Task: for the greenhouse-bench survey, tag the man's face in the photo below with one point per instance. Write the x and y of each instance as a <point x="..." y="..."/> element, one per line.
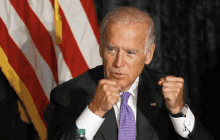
<point x="124" y="53"/>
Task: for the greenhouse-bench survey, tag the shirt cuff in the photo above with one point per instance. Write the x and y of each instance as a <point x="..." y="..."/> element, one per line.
<point x="184" y="125"/>
<point x="90" y="122"/>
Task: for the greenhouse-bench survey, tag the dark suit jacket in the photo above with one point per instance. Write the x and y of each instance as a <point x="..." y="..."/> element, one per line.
<point x="153" y="122"/>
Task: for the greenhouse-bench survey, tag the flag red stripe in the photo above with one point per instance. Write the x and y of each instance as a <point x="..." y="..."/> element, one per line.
<point x="71" y="53"/>
<point x="70" y="50"/>
<point x="24" y="70"/>
<point x="39" y="34"/>
<point x="89" y="9"/>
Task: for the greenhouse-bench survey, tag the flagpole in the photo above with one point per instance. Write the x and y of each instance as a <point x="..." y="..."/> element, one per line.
<point x="58" y="23"/>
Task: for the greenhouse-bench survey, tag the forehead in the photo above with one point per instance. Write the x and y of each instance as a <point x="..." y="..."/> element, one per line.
<point x="131" y="35"/>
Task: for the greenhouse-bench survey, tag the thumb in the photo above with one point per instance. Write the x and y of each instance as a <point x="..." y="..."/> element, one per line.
<point x="160" y="82"/>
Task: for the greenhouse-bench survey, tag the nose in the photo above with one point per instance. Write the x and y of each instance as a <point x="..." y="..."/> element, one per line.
<point x="119" y="60"/>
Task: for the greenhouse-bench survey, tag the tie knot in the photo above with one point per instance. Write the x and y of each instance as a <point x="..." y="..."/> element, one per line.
<point x="125" y="97"/>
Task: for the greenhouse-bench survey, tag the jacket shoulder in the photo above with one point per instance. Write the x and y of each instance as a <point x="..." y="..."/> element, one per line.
<point x="153" y="74"/>
<point x="76" y="89"/>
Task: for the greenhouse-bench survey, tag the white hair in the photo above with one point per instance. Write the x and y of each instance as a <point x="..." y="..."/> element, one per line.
<point x="126" y="15"/>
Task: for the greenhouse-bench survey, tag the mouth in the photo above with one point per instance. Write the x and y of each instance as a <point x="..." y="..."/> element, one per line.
<point x="117" y="74"/>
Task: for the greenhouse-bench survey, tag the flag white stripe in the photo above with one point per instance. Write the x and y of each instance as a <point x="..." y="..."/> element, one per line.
<point x="64" y="73"/>
<point x="21" y="36"/>
<point x="82" y="31"/>
<point x="45" y="12"/>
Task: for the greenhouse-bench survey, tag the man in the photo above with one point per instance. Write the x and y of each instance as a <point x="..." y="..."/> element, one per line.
<point x="123" y="99"/>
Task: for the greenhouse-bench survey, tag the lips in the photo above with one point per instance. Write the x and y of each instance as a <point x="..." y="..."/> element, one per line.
<point x="116" y="74"/>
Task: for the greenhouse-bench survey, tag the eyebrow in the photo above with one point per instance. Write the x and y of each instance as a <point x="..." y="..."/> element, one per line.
<point x="110" y="46"/>
<point x="132" y="50"/>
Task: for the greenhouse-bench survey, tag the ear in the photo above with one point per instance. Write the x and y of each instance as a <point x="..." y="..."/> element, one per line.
<point x="100" y="51"/>
<point x="150" y="53"/>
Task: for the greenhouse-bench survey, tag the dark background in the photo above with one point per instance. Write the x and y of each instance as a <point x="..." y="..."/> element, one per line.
<point x="187" y="45"/>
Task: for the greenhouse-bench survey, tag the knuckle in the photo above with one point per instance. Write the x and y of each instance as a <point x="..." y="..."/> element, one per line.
<point x="175" y="94"/>
<point x="165" y="83"/>
<point x="104" y="87"/>
<point x="114" y="82"/>
<point x="182" y="85"/>
<point x="108" y="93"/>
<point x="169" y="77"/>
<point x="108" y="99"/>
<point x="178" y="90"/>
<point x="116" y="95"/>
<point x="179" y="84"/>
<point x="101" y="81"/>
<point x="182" y="79"/>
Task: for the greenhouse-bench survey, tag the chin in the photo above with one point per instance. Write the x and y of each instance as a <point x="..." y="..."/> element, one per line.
<point x="123" y="84"/>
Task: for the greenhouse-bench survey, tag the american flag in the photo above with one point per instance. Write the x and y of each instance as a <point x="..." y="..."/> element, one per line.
<point x="31" y="59"/>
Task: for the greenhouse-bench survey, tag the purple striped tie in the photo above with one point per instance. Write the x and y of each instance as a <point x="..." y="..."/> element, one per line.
<point x="127" y="125"/>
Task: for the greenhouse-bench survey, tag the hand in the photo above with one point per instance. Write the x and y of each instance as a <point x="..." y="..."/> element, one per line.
<point x="107" y="93"/>
<point x="173" y="92"/>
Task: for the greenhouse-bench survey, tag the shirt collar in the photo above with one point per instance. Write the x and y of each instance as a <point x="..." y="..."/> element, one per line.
<point x="133" y="88"/>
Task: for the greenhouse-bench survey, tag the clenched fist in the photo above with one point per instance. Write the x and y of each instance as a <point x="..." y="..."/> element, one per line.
<point x="172" y="88"/>
<point x="107" y="93"/>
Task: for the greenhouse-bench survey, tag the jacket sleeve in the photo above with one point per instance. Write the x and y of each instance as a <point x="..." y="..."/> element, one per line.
<point x="199" y="132"/>
<point x="62" y="125"/>
<point x="69" y="99"/>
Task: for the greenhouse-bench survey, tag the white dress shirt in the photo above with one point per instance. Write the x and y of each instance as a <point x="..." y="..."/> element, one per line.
<point x="91" y="122"/>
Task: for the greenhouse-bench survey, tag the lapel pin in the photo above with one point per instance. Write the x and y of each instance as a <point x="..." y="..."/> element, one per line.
<point x="153" y="104"/>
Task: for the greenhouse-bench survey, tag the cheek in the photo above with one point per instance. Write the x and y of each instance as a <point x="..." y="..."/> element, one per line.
<point x="107" y="64"/>
<point x="108" y="59"/>
<point x="138" y="67"/>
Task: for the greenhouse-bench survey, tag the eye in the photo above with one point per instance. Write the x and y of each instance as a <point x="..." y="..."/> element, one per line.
<point x="130" y="53"/>
<point x="111" y="49"/>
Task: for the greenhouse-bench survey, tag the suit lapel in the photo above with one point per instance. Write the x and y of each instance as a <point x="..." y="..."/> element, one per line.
<point x="147" y="112"/>
<point x="109" y="128"/>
